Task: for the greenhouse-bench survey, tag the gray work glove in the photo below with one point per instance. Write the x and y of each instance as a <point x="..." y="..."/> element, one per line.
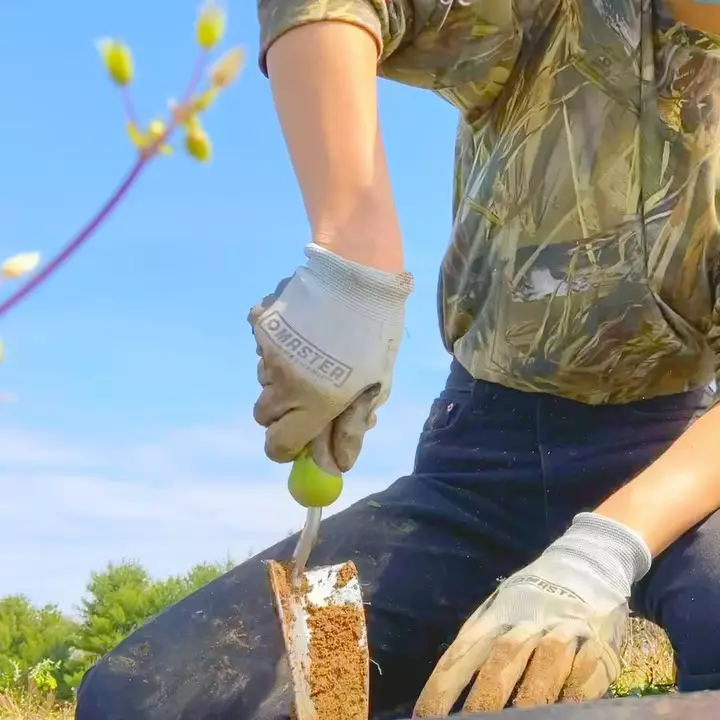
<point x="327" y="339"/>
<point x="552" y="631"/>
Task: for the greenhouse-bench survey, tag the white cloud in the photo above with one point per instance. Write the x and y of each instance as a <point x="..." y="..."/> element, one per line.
<point x="59" y="527"/>
<point x="188" y="495"/>
<point x="36" y="449"/>
<point x="179" y="447"/>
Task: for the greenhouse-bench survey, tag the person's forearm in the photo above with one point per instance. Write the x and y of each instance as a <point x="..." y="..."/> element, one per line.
<point x="324" y="82"/>
<point x="677" y="491"/>
<point x="704" y="15"/>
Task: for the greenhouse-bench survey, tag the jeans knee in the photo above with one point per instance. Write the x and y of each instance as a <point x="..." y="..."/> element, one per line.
<point x="95" y="701"/>
<point x="691" y="622"/>
<point x="109" y="692"/>
<point x="682" y="594"/>
<point x="688" y="613"/>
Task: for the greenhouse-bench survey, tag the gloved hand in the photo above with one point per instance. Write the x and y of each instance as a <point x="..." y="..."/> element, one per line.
<point x="552" y="631"/>
<point x="327" y="339"/>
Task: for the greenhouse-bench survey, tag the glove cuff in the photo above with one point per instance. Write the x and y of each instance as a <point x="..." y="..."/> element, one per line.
<point x="372" y="292"/>
<point x="613" y="551"/>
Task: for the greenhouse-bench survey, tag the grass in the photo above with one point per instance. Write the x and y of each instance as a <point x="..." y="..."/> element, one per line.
<point x="648" y="661"/>
<point x="33" y="707"/>
<point x="648" y="668"/>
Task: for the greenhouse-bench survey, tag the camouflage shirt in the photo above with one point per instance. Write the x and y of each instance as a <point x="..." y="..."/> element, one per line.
<point x="585" y="246"/>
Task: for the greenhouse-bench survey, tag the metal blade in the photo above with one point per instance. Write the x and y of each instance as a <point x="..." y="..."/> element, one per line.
<point x="306" y="542"/>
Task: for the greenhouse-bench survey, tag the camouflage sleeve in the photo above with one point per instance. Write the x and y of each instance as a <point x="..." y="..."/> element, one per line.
<point x="385" y="20"/>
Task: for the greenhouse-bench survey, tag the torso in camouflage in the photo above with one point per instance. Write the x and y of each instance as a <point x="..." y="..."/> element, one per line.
<point x="584" y="253"/>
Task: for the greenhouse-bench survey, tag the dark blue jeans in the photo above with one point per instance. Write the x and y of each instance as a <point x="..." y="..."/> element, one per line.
<point x="498" y="475"/>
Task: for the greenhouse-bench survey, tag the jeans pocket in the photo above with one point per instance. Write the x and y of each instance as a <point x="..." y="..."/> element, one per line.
<point x="444" y="414"/>
<point x="441" y="430"/>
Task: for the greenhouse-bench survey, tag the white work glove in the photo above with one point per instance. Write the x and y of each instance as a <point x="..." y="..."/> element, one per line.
<point x="327" y="339"/>
<point x="552" y="631"/>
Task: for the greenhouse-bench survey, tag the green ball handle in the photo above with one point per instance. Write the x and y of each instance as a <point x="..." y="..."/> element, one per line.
<point x="309" y="484"/>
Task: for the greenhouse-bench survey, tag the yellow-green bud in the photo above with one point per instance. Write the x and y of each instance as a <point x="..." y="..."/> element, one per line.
<point x="118" y="61"/>
<point x="157" y="130"/>
<point x="226" y="69"/>
<point x="202" y="102"/>
<point x="19" y="265"/>
<point x="210" y="26"/>
<point x="198" y="145"/>
<point x="137" y="138"/>
<point x="193" y="124"/>
<point x="146" y="142"/>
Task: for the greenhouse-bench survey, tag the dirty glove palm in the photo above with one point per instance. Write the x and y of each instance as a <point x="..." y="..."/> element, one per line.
<point x="327" y="338"/>
<point x="550" y="632"/>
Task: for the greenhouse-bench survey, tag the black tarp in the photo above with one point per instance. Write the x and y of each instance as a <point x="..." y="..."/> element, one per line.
<point x="691" y="706"/>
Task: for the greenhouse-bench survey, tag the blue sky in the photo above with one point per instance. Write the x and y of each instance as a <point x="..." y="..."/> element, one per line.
<point x="133" y="369"/>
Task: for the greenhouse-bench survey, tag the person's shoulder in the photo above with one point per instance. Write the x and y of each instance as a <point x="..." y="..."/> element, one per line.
<point x="448" y="44"/>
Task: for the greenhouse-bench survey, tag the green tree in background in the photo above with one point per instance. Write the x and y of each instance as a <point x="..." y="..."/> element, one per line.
<point x="123" y="597"/>
<point x="118" y="600"/>
<point x="116" y="603"/>
<point x="29" y="636"/>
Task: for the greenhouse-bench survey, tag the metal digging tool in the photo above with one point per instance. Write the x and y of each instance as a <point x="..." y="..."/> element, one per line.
<point x="321" y="610"/>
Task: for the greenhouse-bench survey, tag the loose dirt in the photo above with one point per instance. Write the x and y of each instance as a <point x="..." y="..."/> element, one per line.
<point x="346" y="574"/>
<point x="338" y="665"/>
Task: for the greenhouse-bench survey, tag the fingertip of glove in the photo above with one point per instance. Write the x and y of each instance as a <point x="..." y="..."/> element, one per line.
<point x="259" y="308"/>
<point x="280" y="453"/>
<point x="254" y="314"/>
<point x="345" y="461"/>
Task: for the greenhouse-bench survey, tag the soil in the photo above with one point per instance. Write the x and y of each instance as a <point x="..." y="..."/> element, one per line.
<point x="338" y="665"/>
<point x="280" y="582"/>
<point x="346" y="574"/>
<point x="280" y="579"/>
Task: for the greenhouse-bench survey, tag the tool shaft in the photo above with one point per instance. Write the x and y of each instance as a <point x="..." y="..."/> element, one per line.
<point x="306" y="542"/>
